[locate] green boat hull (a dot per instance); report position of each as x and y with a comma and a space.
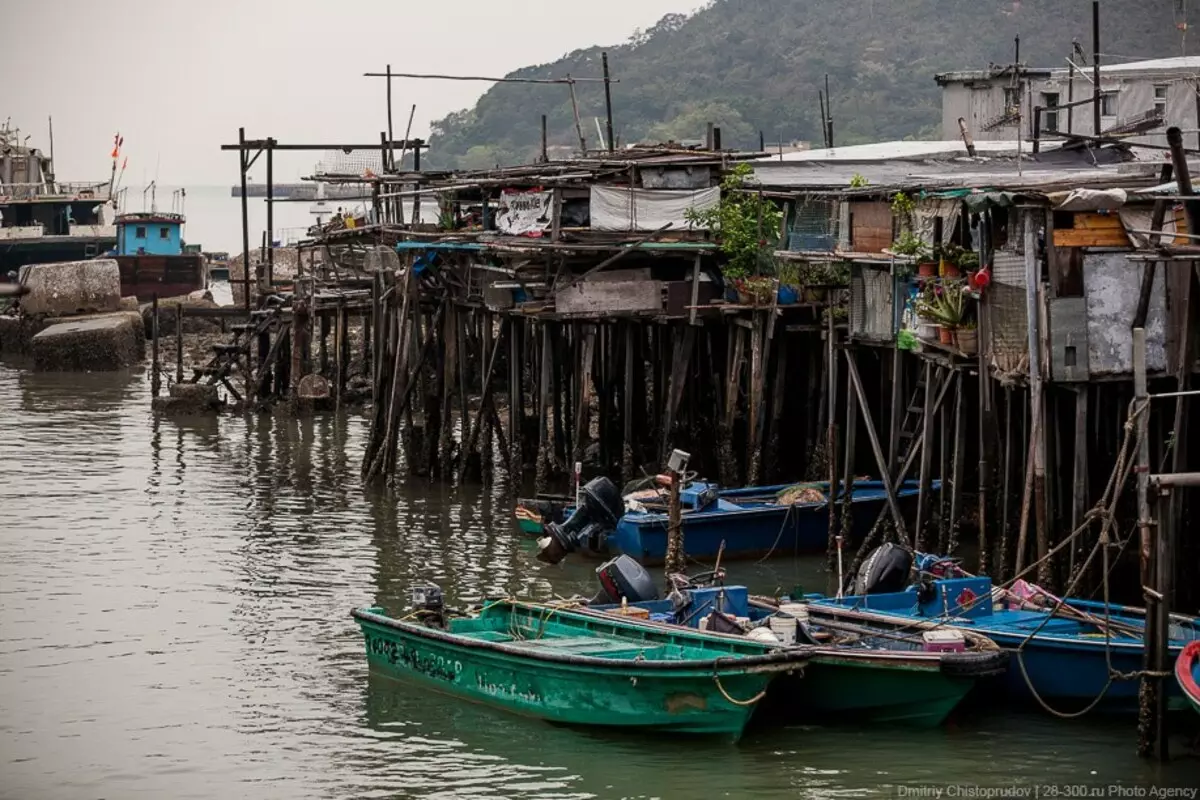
577, 672
875, 686
530, 527
878, 690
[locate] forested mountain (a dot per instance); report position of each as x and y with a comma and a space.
756, 65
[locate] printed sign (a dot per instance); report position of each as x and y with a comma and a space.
524, 213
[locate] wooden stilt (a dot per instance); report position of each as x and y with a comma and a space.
880, 458
926, 460
628, 393
681, 358
960, 455
728, 466
544, 457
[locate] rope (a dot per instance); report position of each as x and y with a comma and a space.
735, 701
1101, 544
779, 535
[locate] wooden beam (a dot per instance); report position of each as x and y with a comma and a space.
880, 460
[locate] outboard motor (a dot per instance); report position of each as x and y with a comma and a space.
600, 508
429, 604
886, 569
623, 578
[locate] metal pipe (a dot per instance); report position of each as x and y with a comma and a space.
245, 218
608, 101
1175, 480
270, 215
391, 160
1095, 67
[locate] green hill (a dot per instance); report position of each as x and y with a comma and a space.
755, 65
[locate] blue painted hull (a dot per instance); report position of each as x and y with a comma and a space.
754, 531
1065, 662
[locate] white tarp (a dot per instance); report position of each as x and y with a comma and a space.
524, 213
647, 209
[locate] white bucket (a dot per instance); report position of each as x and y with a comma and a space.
765, 634
784, 627
797, 610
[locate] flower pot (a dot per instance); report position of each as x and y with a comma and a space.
744, 298
731, 294
946, 335
788, 295
928, 270
967, 340
927, 331
950, 270
814, 294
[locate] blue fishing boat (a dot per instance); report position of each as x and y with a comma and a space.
1070, 656
753, 522
1187, 672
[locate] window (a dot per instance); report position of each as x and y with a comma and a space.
1108, 104
164, 233
140, 232
1050, 115
1160, 100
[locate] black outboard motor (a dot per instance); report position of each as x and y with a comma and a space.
429, 605
600, 508
623, 578
886, 569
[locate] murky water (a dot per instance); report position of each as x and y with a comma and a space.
174, 602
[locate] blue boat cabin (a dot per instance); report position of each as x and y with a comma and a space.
151, 233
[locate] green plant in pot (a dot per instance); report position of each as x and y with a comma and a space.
911, 246
945, 309
756, 291
747, 226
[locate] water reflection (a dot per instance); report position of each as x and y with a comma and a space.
174, 598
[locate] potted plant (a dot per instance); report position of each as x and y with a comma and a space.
789, 283
946, 310
756, 291
910, 245
966, 338
738, 220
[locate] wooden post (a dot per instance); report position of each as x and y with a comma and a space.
894, 407
676, 560
728, 468
627, 395
583, 400
179, 311
681, 360
1148, 696
695, 290
515, 403
846, 529
926, 461
155, 376
778, 397
339, 375
545, 455
1079, 496
880, 460
831, 393
960, 455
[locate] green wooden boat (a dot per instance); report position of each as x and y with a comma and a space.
578, 669
866, 678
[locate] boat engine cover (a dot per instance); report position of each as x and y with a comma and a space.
624, 578
886, 569
600, 508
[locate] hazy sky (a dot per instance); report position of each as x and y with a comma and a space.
178, 77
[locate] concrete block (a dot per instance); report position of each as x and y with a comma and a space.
101, 342
71, 287
16, 333
169, 307
189, 398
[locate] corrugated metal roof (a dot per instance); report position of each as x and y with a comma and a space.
906, 149
1177, 64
